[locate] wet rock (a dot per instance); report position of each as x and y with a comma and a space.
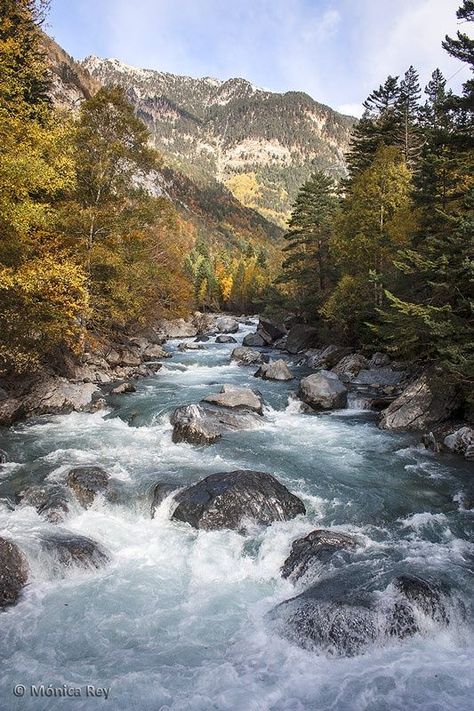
318, 545
427, 597
379, 360
429, 400
13, 572
273, 328
155, 352
247, 356
71, 549
236, 397
301, 337
58, 395
461, 442
191, 424
281, 344
226, 339
87, 483
323, 391
124, 388
226, 500
327, 357
227, 324
254, 340
11, 410
275, 370
202, 339
51, 501
3, 457
351, 365
161, 491
376, 377
183, 347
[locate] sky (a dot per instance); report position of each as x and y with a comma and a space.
337, 51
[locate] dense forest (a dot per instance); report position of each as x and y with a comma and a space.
385, 259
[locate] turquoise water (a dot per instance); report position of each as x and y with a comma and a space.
177, 620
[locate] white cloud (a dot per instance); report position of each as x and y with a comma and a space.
351, 109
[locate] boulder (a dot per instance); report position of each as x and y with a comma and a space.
160, 492
301, 337
317, 546
327, 357
226, 500
227, 324
131, 357
124, 388
202, 339
235, 397
11, 410
351, 365
378, 377
461, 442
155, 352
13, 572
275, 370
87, 483
273, 328
429, 400
183, 347
280, 344
226, 339
247, 356
51, 501
179, 328
206, 423
55, 395
73, 550
323, 391
254, 340
205, 323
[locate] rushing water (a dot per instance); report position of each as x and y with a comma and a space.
177, 620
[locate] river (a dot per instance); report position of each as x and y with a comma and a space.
177, 619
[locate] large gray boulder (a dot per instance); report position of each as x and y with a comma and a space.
247, 356
206, 423
87, 483
272, 328
155, 352
379, 377
429, 400
13, 572
51, 501
234, 397
229, 499
301, 337
323, 391
327, 357
317, 546
55, 395
461, 441
275, 370
179, 328
227, 324
255, 340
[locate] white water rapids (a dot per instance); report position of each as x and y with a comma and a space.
177, 619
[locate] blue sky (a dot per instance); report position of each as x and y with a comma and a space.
336, 50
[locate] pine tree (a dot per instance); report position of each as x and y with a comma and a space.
306, 268
409, 136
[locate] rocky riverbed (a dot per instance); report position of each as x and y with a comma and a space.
197, 537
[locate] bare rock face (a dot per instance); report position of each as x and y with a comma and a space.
301, 337
426, 402
73, 550
235, 397
13, 572
316, 546
247, 356
323, 391
226, 500
275, 370
87, 482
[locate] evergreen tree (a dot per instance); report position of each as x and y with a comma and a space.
306, 268
409, 136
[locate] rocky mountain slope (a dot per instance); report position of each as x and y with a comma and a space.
259, 144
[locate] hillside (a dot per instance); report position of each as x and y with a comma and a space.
261, 145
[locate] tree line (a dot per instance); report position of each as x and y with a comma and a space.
385, 257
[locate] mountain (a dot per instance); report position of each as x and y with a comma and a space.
261, 145
215, 213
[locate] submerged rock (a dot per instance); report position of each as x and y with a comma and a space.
87, 482
323, 391
275, 370
161, 491
247, 356
71, 549
316, 546
429, 400
226, 500
51, 501
225, 339
236, 397
13, 572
